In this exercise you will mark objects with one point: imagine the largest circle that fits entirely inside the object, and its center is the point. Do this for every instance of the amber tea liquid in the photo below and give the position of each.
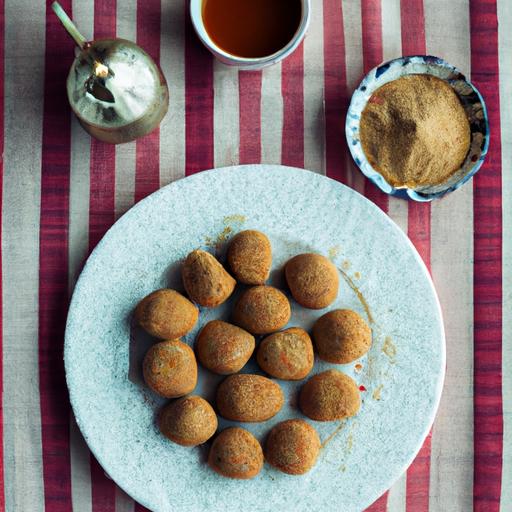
(251, 28)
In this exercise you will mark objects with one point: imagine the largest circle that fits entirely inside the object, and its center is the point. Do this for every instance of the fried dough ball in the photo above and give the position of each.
(206, 281)
(188, 421)
(249, 398)
(170, 369)
(166, 314)
(262, 310)
(236, 453)
(224, 348)
(250, 257)
(292, 447)
(341, 336)
(329, 396)
(313, 280)
(287, 354)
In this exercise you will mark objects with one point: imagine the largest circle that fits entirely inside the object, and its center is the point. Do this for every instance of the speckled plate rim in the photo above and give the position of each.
(473, 104)
(125, 219)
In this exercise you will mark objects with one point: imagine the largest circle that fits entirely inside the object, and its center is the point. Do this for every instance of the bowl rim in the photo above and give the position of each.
(375, 176)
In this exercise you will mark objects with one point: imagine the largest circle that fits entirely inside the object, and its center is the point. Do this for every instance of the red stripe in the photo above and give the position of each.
(102, 190)
(381, 505)
(53, 266)
(488, 406)
(371, 18)
(413, 27)
(292, 89)
(371, 25)
(2, 39)
(335, 91)
(413, 42)
(101, 217)
(147, 152)
(249, 91)
(418, 479)
(103, 156)
(198, 102)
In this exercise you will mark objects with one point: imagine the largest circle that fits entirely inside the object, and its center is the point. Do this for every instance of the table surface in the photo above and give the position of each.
(61, 191)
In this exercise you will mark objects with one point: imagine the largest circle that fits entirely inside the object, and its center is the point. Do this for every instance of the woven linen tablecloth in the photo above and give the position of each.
(61, 191)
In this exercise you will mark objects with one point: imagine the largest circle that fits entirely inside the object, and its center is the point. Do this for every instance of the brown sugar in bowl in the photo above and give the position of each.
(414, 131)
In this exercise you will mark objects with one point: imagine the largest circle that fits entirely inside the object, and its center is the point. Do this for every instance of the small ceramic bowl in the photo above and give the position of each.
(196, 13)
(470, 98)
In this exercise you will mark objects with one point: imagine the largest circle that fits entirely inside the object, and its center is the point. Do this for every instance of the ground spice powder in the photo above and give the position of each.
(414, 131)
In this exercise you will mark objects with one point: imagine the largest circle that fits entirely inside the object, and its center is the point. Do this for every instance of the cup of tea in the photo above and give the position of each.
(250, 34)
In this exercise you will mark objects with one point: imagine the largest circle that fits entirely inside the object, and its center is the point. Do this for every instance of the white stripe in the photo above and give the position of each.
(505, 61)
(352, 28)
(396, 495)
(78, 246)
(451, 472)
(126, 27)
(391, 29)
(24, 66)
(80, 470)
(314, 115)
(83, 13)
(271, 115)
(172, 63)
(226, 109)
(125, 177)
(397, 208)
(78, 199)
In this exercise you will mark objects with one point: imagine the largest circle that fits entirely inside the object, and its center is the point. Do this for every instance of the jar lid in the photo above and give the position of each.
(112, 83)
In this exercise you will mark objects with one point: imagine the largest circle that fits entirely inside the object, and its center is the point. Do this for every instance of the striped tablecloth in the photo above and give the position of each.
(60, 191)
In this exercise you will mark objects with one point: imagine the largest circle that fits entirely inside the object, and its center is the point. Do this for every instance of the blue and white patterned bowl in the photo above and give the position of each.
(470, 98)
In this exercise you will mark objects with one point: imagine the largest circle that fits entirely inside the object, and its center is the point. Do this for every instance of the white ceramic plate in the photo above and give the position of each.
(300, 211)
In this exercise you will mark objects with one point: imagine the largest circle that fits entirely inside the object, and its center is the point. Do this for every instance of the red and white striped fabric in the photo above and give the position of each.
(60, 191)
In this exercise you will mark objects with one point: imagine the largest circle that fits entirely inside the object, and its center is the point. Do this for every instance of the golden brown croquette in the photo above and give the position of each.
(341, 336)
(249, 398)
(262, 310)
(250, 257)
(206, 281)
(313, 280)
(188, 421)
(224, 348)
(170, 369)
(287, 354)
(236, 453)
(166, 314)
(292, 446)
(329, 396)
